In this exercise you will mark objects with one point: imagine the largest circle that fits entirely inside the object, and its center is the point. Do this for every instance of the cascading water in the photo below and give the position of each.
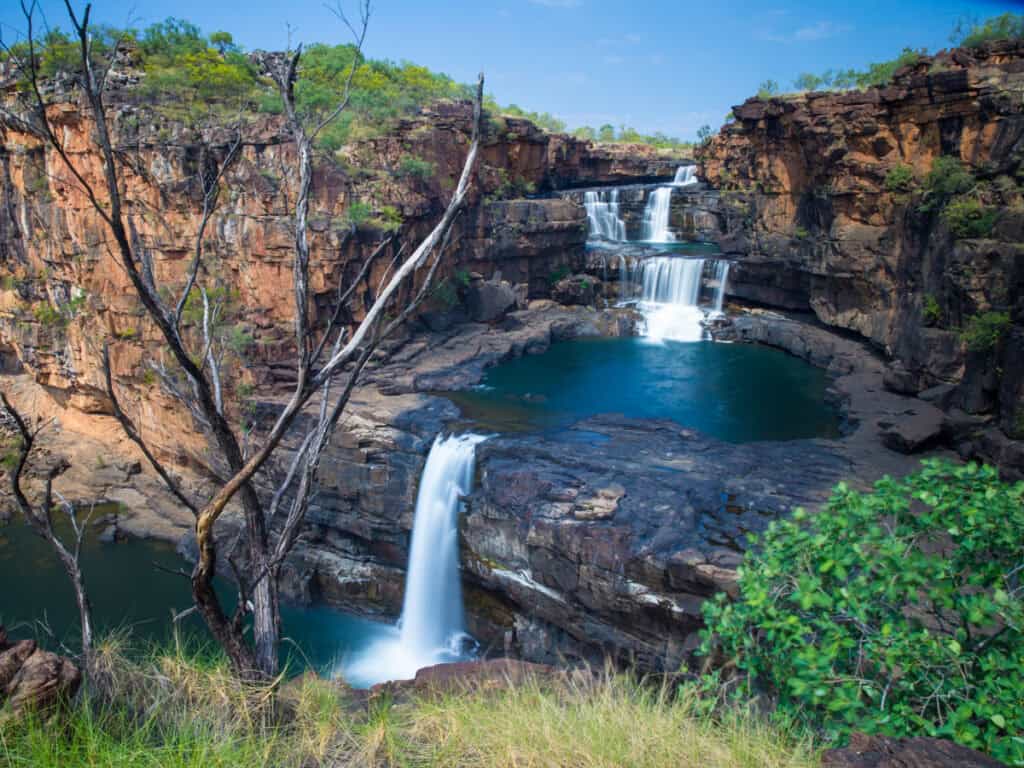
(603, 214)
(668, 290)
(656, 215)
(685, 176)
(431, 629)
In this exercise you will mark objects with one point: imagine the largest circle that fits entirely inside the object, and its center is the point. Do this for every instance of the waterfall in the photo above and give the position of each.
(603, 214)
(656, 214)
(668, 291)
(685, 176)
(721, 278)
(431, 629)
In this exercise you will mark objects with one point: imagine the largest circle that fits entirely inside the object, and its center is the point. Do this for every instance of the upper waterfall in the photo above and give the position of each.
(685, 176)
(431, 630)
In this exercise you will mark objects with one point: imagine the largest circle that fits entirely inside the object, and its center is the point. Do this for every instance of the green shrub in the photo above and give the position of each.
(983, 332)
(1008, 26)
(931, 310)
(48, 315)
(945, 180)
(388, 218)
(899, 611)
(767, 89)
(416, 167)
(900, 179)
(967, 217)
(358, 212)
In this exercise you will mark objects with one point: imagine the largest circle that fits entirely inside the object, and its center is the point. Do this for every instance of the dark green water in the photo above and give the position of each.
(735, 392)
(129, 590)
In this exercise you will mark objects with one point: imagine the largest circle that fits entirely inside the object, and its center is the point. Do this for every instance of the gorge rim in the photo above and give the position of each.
(342, 367)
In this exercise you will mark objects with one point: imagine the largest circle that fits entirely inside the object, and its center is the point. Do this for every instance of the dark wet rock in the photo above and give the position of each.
(577, 289)
(882, 752)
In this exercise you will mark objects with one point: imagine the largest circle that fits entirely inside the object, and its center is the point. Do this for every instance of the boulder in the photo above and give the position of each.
(489, 300)
(34, 679)
(913, 431)
(881, 752)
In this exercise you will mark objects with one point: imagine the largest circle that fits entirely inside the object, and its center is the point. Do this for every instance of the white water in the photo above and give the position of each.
(603, 214)
(668, 291)
(656, 214)
(431, 630)
(685, 176)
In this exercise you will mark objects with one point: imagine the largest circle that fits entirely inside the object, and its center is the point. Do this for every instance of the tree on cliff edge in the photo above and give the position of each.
(329, 360)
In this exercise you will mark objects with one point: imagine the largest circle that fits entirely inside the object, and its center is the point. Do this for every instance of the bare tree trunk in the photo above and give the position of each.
(41, 521)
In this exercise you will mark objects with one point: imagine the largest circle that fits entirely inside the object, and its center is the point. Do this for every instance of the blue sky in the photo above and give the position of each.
(661, 65)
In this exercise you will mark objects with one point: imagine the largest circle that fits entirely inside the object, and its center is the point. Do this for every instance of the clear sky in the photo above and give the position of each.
(660, 65)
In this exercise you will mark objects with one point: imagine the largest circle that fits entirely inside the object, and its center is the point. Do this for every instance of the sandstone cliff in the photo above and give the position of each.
(827, 205)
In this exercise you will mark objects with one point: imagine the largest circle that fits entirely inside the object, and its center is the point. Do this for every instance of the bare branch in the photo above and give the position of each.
(133, 434)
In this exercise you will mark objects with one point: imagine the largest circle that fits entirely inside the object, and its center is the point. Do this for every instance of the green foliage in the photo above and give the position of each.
(966, 217)
(983, 332)
(358, 212)
(1008, 26)
(931, 310)
(606, 133)
(48, 315)
(388, 218)
(585, 132)
(900, 179)
(945, 180)
(801, 233)
(879, 73)
(416, 167)
(767, 89)
(899, 611)
(544, 120)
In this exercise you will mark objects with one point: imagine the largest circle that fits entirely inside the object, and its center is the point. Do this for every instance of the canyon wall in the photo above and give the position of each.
(63, 294)
(828, 203)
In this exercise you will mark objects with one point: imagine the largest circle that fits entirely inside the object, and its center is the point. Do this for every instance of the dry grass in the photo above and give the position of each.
(181, 708)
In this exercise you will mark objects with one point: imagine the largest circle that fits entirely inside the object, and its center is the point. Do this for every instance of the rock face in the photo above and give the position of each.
(32, 679)
(880, 752)
(815, 222)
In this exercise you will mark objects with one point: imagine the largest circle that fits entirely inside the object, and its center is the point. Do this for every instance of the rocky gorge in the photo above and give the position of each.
(606, 537)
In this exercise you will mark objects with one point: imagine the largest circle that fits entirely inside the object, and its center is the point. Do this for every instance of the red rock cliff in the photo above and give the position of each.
(823, 203)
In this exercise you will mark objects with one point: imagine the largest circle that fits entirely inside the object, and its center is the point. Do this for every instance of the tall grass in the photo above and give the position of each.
(183, 708)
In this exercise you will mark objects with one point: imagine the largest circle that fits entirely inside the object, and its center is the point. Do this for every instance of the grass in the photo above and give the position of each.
(183, 708)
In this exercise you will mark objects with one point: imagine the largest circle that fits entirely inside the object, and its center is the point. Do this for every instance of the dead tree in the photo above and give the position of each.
(327, 368)
(40, 517)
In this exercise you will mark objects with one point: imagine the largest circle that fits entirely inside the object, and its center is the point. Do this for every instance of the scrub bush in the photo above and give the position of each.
(899, 611)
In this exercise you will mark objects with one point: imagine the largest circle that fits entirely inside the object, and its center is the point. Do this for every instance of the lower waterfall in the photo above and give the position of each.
(668, 292)
(431, 630)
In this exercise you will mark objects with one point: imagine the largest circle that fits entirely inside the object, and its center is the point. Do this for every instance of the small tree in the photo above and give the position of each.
(329, 360)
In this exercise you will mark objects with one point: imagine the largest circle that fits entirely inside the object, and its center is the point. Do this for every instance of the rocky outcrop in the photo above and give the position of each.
(32, 679)
(815, 221)
(881, 752)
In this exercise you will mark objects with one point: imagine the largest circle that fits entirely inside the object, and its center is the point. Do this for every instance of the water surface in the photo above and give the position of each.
(735, 392)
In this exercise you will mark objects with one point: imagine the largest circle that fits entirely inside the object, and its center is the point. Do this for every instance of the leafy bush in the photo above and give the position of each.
(983, 332)
(900, 179)
(879, 73)
(416, 167)
(967, 217)
(899, 611)
(767, 89)
(945, 180)
(931, 310)
(1008, 26)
